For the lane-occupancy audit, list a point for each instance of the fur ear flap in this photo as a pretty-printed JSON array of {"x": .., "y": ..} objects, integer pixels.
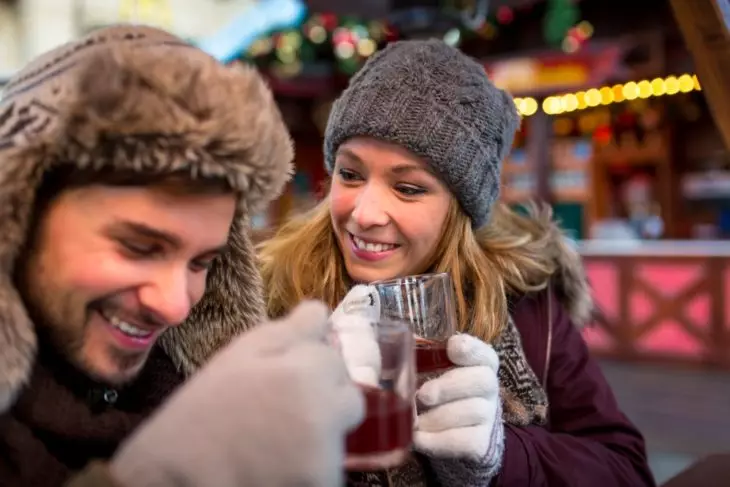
[
  {"x": 573, "y": 286},
  {"x": 17, "y": 345},
  {"x": 233, "y": 303},
  {"x": 570, "y": 280},
  {"x": 17, "y": 333}
]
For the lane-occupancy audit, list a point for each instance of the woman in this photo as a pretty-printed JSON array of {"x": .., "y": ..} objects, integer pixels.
[{"x": 415, "y": 146}]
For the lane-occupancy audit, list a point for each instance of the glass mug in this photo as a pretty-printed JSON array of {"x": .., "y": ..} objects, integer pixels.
[
  {"x": 426, "y": 302},
  {"x": 383, "y": 440}
]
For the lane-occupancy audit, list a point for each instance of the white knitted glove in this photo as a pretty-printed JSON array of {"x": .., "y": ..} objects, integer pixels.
[
  {"x": 352, "y": 323},
  {"x": 462, "y": 419},
  {"x": 362, "y": 300},
  {"x": 271, "y": 409}
]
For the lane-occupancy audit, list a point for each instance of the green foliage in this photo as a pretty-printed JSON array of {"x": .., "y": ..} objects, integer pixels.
[{"x": 560, "y": 16}]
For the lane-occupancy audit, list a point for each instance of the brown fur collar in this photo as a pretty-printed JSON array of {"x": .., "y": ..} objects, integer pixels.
[
  {"x": 139, "y": 98},
  {"x": 569, "y": 279}
]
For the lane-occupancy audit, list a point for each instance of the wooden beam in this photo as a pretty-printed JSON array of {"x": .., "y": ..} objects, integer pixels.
[
  {"x": 539, "y": 151},
  {"x": 705, "y": 31}
]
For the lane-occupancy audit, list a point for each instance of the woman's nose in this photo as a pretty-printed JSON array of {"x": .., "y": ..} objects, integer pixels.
[{"x": 370, "y": 209}]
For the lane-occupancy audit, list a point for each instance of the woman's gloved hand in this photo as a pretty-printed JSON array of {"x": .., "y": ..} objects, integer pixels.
[
  {"x": 355, "y": 336},
  {"x": 272, "y": 408},
  {"x": 462, "y": 407},
  {"x": 362, "y": 300}
]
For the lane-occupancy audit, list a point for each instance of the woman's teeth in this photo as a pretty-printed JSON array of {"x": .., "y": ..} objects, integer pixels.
[
  {"x": 372, "y": 247},
  {"x": 128, "y": 329}
]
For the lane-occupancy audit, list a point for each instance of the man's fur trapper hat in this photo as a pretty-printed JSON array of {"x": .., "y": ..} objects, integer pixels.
[{"x": 138, "y": 98}]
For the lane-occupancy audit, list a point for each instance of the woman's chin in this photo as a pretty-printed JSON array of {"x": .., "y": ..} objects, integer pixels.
[{"x": 363, "y": 275}]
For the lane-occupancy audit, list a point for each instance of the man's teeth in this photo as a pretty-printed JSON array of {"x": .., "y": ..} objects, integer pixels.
[
  {"x": 128, "y": 329},
  {"x": 372, "y": 247}
]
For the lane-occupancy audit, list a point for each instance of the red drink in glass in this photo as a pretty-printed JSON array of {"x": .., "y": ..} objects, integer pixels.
[
  {"x": 431, "y": 357},
  {"x": 384, "y": 438}
]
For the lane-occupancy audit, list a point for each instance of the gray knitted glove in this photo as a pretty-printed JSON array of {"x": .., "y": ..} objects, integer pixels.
[{"x": 272, "y": 409}]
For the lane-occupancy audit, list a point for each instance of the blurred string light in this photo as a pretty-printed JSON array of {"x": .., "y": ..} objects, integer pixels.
[
  {"x": 526, "y": 106},
  {"x": 607, "y": 95},
  {"x": 349, "y": 41},
  {"x": 577, "y": 36},
  {"x": 346, "y": 42}
]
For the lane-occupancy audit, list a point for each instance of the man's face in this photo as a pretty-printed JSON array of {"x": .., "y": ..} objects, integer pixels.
[{"x": 112, "y": 268}]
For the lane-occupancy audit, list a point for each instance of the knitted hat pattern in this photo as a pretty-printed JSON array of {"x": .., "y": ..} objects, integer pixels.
[{"x": 439, "y": 104}]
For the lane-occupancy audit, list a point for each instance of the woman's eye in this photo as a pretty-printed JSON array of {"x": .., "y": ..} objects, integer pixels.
[
  {"x": 410, "y": 190},
  {"x": 348, "y": 175}
]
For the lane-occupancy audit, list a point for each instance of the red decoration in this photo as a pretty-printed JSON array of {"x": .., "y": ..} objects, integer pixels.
[
  {"x": 505, "y": 15},
  {"x": 391, "y": 33},
  {"x": 343, "y": 35},
  {"x": 329, "y": 21},
  {"x": 603, "y": 135}
]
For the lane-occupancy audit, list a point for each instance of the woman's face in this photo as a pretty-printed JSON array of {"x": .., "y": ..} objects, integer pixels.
[{"x": 388, "y": 209}]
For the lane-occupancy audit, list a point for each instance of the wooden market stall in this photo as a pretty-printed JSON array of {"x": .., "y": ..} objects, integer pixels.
[
  {"x": 661, "y": 301},
  {"x": 669, "y": 300},
  {"x": 609, "y": 134}
]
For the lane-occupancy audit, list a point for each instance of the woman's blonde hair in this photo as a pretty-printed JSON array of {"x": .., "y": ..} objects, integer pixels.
[{"x": 509, "y": 255}]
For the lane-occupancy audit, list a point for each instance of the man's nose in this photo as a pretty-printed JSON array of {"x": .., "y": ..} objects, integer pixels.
[
  {"x": 168, "y": 295},
  {"x": 370, "y": 208}
]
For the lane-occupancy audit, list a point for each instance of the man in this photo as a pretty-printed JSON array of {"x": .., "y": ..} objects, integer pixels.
[{"x": 129, "y": 164}]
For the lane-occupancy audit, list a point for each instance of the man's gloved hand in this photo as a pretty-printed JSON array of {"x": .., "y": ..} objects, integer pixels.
[
  {"x": 463, "y": 408},
  {"x": 272, "y": 409}
]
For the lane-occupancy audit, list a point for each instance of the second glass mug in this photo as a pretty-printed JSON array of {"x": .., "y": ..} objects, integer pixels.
[
  {"x": 426, "y": 302},
  {"x": 383, "y": 440}
]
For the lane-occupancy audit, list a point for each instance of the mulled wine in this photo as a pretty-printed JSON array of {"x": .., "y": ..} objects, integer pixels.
[
  {"x": 431, "y": 357},
  {"x": 384, "y": 438}
]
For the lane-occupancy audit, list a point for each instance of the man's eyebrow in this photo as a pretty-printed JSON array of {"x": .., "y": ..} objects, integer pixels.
[
  {"x": 144, "y": 230},
  {"x": 157, "y": 234}
]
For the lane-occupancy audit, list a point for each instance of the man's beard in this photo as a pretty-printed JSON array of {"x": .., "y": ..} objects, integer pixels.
[{"x": 68, "y": 335}]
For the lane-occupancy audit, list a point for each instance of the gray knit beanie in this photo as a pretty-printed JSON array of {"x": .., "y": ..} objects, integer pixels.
[{"x": 439, "y": 104}]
